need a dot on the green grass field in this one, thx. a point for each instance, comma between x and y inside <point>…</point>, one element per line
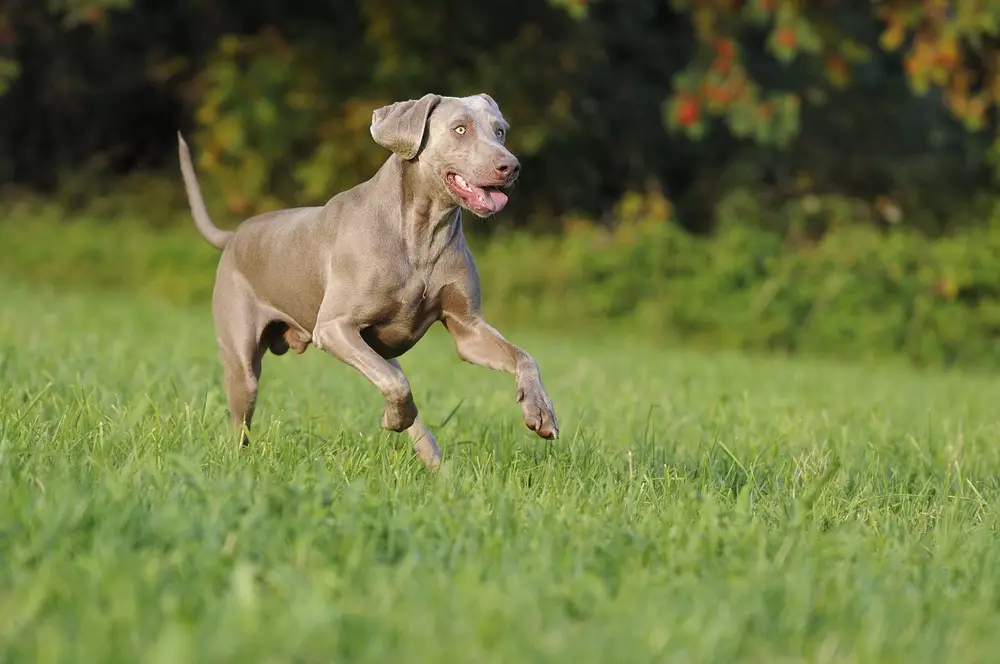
<point>697,508</point>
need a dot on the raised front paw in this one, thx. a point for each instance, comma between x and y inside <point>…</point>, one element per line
<point>399,415</point>
<point>538,413</point>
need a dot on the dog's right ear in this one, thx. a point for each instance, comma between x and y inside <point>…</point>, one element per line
<point>400,127</point>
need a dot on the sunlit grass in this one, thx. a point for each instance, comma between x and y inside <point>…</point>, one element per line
<point>697,508</point>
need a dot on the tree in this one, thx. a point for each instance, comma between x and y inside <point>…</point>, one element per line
<point>948,46</point>
<point>688,97</point>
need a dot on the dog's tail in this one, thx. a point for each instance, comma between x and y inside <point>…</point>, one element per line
<point>215,236</point>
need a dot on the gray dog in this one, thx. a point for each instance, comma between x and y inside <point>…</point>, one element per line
<point>364,276</point>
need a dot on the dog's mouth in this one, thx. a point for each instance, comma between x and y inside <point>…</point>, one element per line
<point>484,201</point>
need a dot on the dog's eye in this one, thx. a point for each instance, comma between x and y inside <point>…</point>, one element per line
<point>459,130</point>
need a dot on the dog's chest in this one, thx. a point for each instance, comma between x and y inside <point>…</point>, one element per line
<point>411,309</point>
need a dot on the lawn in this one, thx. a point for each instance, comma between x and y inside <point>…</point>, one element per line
<point>698,507</point>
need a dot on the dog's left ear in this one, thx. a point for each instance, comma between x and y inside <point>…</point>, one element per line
<point>400,127</point>
<point>490,99</point>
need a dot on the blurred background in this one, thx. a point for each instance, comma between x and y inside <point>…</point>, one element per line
<point>769,175</point>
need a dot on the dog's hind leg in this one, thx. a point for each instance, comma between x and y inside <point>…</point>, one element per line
<point>241,348</point>
<point>242,378</point>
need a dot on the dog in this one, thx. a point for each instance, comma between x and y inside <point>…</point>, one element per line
<point>365,276</point>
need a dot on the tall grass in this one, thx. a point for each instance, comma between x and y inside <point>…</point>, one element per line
<point>698,508</point>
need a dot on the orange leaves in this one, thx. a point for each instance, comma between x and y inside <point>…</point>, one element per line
<point>836,70</point>
<point>726,79</point>
<point>688,111</point>
<point>785,37</point>
<point>939,49</point>
<point>921,65</point>
<point>970,109</point>
<point>937,58</point>
<point>717,95</point>
<point>708,88</point>
<point>684,112</point>
<point>935,40</point>
<point>792,34</point>
<point>965,102</point>
<point>725,49</point>
<point>783,43</point>
<point>947,54</point>
<point>725,52</point>
<point>717,85</point>
<point>975,112</point>
<point>893,35</point>
<point>736,100</point>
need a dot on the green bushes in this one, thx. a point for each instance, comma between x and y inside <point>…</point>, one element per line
<point>38,245</point>
<point>854,291</point>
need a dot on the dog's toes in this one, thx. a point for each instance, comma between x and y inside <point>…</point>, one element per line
<point>551,430</point>
<point>542,426</point>
<point>539,417</point>
<point>546,430</point>
<point>394,424</point>
<point>399,418</point>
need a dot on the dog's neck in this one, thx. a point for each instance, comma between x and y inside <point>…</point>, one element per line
<point>430,222</point>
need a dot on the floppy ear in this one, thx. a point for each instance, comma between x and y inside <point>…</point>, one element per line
<point>400,127</point>
<point>490,99</point>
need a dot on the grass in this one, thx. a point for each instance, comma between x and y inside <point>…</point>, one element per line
<point>857,294</point>
<point>698,508</point>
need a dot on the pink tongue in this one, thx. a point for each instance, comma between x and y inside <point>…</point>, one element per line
<point>494,199</point>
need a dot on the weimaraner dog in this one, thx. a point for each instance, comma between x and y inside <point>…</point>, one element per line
<point>364,276</point>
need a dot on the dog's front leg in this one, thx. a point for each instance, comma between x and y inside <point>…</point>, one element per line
<point>342,339</point>
<point>424,442</point>
<point>480,344</point>
<point>344,342</point>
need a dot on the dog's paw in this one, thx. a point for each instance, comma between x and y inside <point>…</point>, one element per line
<point>539,415</point>
<point>399,416</point>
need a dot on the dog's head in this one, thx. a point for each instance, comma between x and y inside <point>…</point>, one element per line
<point>457,142</point>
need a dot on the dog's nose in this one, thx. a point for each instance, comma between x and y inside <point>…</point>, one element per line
<point>507,167</point>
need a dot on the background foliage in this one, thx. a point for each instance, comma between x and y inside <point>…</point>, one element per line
<point>763,173</point>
